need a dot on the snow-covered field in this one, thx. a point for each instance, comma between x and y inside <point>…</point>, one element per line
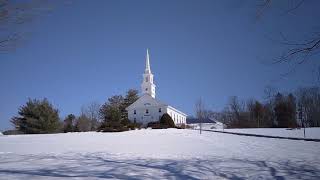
<point>313,133</point>
<point>156,154</point>
<point>213,126</point>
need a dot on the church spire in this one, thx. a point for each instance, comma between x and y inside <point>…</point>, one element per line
<point>147,70</point>
<point>147,86</point>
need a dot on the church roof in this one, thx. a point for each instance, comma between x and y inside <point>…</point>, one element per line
<point>144,100</point>
<point>147,100</point>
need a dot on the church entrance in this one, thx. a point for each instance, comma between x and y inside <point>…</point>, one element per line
<point>147,118</point>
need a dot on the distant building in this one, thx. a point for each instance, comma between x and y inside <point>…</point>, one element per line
<point>147,108</point>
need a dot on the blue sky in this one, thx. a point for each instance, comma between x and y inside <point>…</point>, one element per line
<point>83,52</point>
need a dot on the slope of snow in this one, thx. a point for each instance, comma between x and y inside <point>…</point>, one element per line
<point>313,133</point>
<point>160,154</point>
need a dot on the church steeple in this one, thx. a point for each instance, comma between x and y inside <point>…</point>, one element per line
<point>147,70</point>
<point>147,86</point>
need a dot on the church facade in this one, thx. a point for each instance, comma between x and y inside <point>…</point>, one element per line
<point>149,109</point>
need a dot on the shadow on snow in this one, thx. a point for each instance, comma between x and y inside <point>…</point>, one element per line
<point>100,165</point>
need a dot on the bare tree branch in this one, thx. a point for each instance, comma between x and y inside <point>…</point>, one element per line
<point>262,8</point>
<point>15,13</point>
<point>300,54</point>
<point>295,7</point>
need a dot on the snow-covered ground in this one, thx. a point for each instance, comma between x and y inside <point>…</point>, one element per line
<point>156,154</point>
<point>313,133</point>
<point>217,125</point>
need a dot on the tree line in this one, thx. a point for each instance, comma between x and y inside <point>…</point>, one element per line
<point>300,108</point>
<point>40,116</point>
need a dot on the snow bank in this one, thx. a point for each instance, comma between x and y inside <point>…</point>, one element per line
<point>161,154</point>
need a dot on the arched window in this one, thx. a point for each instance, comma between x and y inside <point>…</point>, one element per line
<point>134,112</point>
<point>159,109</point>
<point>147,111</point>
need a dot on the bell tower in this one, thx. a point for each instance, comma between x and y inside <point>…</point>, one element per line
<point>147,86</point>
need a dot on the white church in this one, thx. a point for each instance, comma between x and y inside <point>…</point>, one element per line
<point>147,108</point>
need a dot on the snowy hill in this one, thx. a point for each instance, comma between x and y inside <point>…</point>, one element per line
<point>160,154</point>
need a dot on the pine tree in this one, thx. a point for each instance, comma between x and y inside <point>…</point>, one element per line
<point>166,121</point>
<point>111,113</point>
<point>37,116</point>
<point>114,114</point>
<point>69,123</point>
<point>285,111</point>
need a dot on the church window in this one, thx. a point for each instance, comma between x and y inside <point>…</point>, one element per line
<point>134,112</point>
<point>147,111</point>
<point>159,109</point>
<point>147,79</point>
<point>146,89</point>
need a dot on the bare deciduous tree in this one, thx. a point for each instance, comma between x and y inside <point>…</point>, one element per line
<point>92,112</point>
<point>200,112</point>
<point>297,52</point>
<point>236,106</point>
<point>308,100</point>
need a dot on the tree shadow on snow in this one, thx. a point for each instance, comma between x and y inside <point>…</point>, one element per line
<point>100,165</point>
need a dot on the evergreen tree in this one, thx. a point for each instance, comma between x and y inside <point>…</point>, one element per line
<point>166,121</point>
<point>285,111</point>
<point>111,112</point>
<point>37,116</point>
<point>69,123</point>
<point>114,114</point>
<point>131,97</point>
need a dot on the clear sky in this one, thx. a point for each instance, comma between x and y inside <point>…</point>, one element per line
<point>83,52</point>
